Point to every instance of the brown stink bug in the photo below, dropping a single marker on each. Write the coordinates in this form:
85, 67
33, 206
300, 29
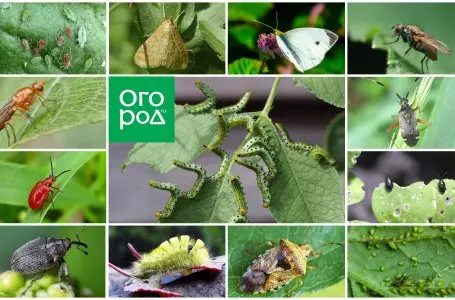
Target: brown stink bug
407, 119
277, 267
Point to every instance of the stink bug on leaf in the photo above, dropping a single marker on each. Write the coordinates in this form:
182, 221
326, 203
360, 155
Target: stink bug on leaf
407, 119
277, 267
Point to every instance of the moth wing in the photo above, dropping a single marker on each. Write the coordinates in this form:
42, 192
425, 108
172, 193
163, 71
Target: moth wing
165, 48
306, 47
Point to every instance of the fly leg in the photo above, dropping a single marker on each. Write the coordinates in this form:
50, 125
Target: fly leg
392, 127
396, 41
407, 51
7, 134
421, 64
31, 282
423, 122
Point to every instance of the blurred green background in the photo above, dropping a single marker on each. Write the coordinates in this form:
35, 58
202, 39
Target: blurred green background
367, 20
84, 188
371, 108
201, 26
243, 33
86, 271
147, 238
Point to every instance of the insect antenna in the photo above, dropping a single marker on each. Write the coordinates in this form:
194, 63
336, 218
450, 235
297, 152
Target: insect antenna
386, 87
52, 167
264, 24
62, 173
79, 243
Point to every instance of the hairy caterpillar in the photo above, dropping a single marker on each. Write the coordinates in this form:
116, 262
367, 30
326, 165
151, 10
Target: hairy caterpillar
224, 162
201, 176
205, 105
170, 205
236, 107
241, 120
220, 134
316, 152
260, 178
240, 200
268, 160
177, 254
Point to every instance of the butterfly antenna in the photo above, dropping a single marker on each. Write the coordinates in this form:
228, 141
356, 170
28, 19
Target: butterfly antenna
264, 24
276, 19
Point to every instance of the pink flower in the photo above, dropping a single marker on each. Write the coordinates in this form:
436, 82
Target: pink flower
268, 45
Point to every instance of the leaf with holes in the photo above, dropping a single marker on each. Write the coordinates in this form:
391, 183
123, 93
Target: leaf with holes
247, 242
401, 261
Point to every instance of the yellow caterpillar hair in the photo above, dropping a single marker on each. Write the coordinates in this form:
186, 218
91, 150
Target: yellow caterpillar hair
177, 254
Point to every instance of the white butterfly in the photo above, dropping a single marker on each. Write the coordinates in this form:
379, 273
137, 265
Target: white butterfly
305, 47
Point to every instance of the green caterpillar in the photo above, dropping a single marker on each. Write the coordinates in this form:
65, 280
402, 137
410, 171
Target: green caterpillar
205, 105
223, 165
241, 120
240, 200
236, 107
220, 135
268, 160
201, 176
260, 178
170, 205
316, 152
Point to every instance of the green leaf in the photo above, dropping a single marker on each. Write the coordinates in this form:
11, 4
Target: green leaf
191, 133
246, 66
68, 102
441, 133
248, 11
402, 261
352, 158
247, 242
329, 89
303, 190
416, 203
245, 35
39, 25
211, 23
335, 140
356, 192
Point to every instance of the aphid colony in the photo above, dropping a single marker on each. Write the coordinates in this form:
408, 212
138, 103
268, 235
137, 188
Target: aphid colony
420, 41
21, 101
257, 147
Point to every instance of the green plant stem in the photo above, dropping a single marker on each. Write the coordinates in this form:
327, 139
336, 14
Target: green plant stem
269, 104
113, 7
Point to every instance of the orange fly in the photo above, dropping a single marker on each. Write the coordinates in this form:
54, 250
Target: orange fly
20, 101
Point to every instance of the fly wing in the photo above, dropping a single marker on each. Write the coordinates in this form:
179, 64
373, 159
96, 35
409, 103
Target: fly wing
436, 43
306, 47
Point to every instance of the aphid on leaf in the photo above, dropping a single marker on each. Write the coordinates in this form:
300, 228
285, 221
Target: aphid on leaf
44, 190
60, 40
179, 256
277, 267
82, 37
407, 119
420, 41
69, 13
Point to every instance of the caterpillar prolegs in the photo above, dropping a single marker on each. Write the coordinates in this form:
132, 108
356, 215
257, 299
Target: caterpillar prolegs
239, 195
316, 152
201, 176
224, 165
170, 205
266, 157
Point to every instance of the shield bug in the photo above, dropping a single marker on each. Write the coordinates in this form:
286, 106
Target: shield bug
420, 41
42, 189
388, 184
277, 267
407, 119
41, 254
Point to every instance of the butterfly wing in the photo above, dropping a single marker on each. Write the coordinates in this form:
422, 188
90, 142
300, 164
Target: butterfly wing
306, 47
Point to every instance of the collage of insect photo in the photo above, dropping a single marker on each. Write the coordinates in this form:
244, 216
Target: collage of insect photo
227, 149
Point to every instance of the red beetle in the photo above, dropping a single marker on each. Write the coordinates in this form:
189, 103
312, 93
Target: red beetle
42, 189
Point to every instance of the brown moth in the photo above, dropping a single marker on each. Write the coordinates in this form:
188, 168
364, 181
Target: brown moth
276, 267
164, 48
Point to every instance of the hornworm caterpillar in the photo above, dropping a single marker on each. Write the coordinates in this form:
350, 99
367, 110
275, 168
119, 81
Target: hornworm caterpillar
240, 200
220, 135
316, 152
170, 205
260, 177
205, 105
224, 162
201, 176
236, 107
264, 154
243, 119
